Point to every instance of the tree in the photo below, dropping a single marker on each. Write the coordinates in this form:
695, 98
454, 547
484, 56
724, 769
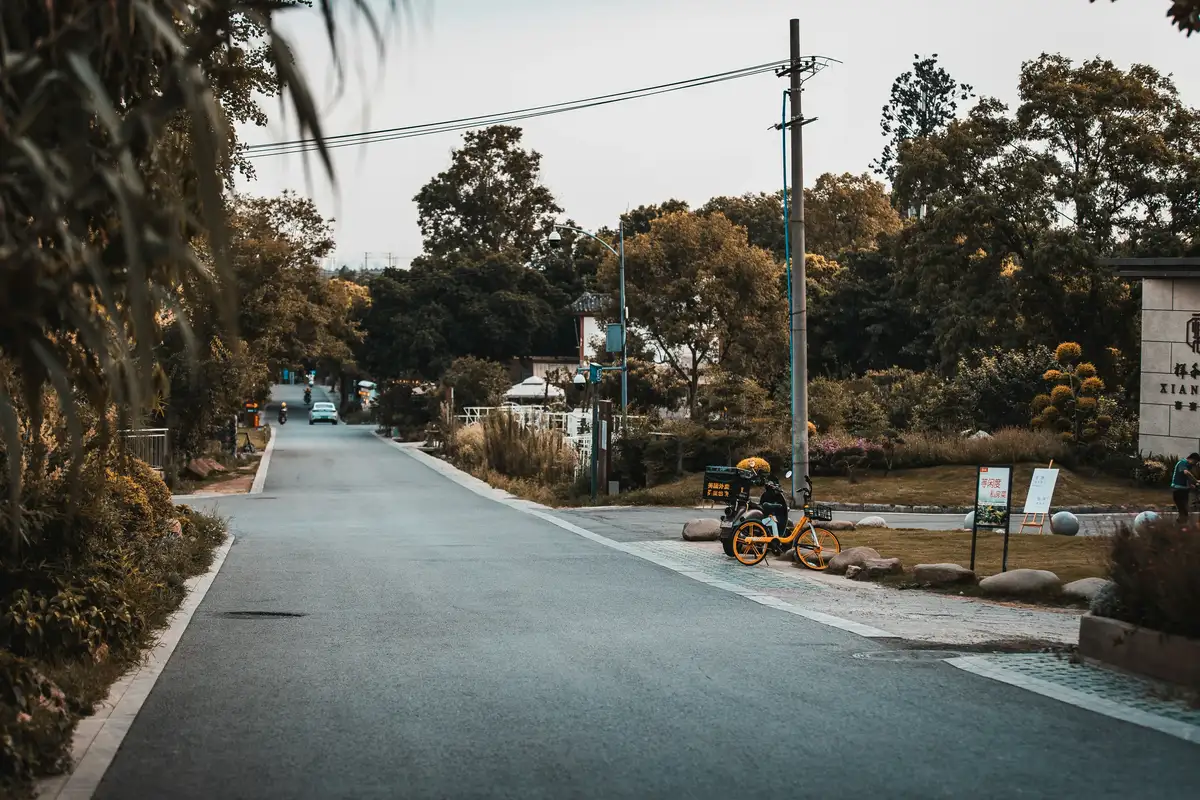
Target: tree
1072, 406
476, 382
847, 212
97, 239
423, 318
923, 101
490, 200
1185, 14
700, 292
761, 214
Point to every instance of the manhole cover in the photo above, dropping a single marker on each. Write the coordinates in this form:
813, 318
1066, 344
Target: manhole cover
908, 655
261, 614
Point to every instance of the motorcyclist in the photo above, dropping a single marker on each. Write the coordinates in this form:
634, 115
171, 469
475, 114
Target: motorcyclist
770, 501
282, 413
308, 395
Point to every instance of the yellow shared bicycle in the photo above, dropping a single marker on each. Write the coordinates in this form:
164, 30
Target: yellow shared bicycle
758, 533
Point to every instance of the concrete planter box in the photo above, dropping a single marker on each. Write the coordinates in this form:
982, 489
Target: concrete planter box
1142, 651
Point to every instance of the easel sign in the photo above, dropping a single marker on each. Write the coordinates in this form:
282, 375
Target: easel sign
1037, 502
993, 504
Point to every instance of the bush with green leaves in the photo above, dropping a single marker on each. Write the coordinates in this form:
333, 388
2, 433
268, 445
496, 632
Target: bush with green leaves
1154, 584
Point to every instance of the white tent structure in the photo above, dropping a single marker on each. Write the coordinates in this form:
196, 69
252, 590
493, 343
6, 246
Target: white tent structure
533, 390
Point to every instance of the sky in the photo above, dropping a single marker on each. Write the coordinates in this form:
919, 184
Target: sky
448, 59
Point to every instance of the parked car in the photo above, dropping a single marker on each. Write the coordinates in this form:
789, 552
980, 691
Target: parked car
322, 412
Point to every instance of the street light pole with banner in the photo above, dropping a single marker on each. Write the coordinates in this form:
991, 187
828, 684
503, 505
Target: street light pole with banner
993, 505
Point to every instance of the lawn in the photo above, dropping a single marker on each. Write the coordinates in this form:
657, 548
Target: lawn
935, 486
1068, 557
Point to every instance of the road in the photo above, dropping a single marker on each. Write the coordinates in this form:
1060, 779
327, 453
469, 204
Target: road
447, 646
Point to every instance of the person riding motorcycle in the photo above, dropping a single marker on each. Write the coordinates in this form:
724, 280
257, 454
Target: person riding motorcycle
282, 413
773, 501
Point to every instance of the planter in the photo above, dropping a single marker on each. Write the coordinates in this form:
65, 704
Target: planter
1142, 651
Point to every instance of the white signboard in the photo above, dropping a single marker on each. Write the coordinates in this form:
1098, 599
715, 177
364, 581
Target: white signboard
1041, 491
992, 497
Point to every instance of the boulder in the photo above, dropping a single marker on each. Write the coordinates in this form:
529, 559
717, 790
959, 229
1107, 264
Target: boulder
872, 522
854, 557
969, 521
1021, 582
836, 525
214, 465
1085, 588
942, 574
701, 530
855, 573
878, 567
1143, 521
198, 469
1064, 523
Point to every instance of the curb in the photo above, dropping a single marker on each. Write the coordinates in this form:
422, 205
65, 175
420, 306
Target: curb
98, 737
483, 489
260, 476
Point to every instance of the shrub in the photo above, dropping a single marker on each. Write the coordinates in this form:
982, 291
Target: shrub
1152, 472
827, 402
514, 450
137, 516
899, 392
77, 620
468, 446
1156, 578
476, 381
35, 726
865, 416
1007, 446
1075, 399
155, 489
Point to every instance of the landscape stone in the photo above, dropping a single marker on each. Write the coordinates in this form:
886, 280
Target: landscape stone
969, 521
853, 572
942, 574
701, 530
837, 525
855, 556
879, 567
872, 522
1021, 582
1085, 588
1064, 523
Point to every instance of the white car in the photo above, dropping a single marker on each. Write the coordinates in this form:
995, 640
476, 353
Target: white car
322, 412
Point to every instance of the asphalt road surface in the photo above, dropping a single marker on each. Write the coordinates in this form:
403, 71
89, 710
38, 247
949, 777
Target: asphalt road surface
446, 646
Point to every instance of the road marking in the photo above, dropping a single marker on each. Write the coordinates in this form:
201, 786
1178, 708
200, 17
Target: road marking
98, 737
483, 489
979, 665
260, 477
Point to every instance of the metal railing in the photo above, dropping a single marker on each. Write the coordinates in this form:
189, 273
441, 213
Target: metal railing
148, 444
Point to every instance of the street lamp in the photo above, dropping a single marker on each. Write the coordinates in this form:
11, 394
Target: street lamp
555, 238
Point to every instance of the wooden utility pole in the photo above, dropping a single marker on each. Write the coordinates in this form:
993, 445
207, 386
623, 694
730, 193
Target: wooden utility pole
799, 320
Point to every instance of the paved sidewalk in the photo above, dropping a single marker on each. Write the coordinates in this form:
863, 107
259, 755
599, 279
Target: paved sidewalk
913, 615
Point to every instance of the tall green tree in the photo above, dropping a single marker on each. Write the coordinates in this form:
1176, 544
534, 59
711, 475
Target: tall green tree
490, 200
701, 294
761, 214
923, 101
847, 212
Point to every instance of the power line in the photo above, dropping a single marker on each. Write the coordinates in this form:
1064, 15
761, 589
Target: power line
428, 129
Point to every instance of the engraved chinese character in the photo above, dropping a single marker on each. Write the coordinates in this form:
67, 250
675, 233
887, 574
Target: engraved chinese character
1178, 405
1181, 370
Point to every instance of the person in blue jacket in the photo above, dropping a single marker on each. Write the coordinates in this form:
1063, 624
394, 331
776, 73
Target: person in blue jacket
1182, 483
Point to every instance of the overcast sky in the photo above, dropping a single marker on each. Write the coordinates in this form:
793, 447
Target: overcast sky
459, 58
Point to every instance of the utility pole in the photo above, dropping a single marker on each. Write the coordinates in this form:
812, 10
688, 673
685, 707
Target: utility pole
799, 320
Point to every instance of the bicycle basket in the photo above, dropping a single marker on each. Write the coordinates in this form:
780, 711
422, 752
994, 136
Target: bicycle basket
819, 513
725, 484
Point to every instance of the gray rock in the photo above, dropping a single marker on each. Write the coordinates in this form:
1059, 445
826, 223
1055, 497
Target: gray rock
969, 521
872, 522
878, 567
1085, 588
942, 574
701, 530
1064, 523
855, 573
854, 557
1021, 582
836, 525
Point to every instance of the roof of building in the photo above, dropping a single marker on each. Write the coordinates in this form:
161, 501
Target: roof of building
1154, 267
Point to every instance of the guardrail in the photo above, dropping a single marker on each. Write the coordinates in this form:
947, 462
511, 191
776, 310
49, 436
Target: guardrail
148, 444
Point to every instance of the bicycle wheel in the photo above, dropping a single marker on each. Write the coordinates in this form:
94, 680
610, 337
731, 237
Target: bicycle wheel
815, 547
747, 552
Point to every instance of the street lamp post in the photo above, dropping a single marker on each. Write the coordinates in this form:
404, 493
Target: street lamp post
555, 237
